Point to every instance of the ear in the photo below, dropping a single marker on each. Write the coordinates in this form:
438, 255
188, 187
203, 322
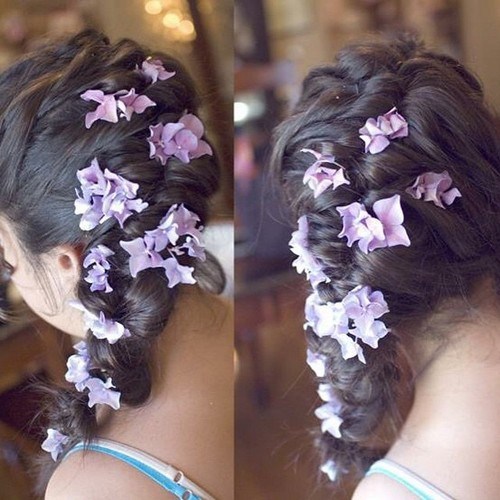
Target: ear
67, 264
8, 244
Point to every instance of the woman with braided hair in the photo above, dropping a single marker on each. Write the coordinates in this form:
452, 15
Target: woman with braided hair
390, 162
105, 181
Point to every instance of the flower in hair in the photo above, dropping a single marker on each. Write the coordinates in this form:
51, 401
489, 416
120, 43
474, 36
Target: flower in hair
364, 306
182, 139
97, 276
54, 443
377, 133
305, 261
106, 110
385, 230
105, 195
102, 393
153, 70
129, 102
318, 177
100, 326
317, 363
354, 319
179, 233
121, 104
435, 187
331, 421
330, 469
78, 367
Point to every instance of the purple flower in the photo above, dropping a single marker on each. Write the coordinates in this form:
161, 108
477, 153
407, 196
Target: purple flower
121, 104
107, 109
317, 363
142, 254
105, 328
54, 443
153, 70
181, 139
326, 319
129, 103
377, 133
305, 261
176, 273
330, 469
178, 221
102, 393
98, 276
385, 230
331, 421
435, 187
78, 369
320, 178
364, 306
195, 248
105, 195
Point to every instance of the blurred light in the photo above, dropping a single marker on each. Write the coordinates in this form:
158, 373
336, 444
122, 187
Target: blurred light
186, 27
241, 111
153, 7
172, 19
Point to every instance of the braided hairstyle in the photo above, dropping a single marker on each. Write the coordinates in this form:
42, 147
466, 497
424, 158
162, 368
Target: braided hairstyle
450, 129
44, 142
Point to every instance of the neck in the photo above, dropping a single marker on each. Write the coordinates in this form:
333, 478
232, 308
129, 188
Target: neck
457, 401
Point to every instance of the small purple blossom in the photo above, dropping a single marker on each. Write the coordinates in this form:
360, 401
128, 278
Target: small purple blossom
106, 110
105, 195
330, 469
142, 254
102, 393
317, 363
54, 443
318, 177
176, 273
331, 421
354, 319
385, 230
377, 133
121, 104
182, 139
78, 368
364, 306
435, 187
153, 70
130, 102
305, 261
97, 276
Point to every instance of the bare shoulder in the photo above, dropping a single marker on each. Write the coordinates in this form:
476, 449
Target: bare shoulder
380, 487
100, 477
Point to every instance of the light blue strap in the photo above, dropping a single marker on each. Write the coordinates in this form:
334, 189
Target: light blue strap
165, 482
412, 482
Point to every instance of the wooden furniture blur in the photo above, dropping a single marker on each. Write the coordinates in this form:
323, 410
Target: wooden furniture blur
27, 348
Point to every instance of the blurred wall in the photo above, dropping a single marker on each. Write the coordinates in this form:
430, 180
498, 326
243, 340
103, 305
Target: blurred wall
481, 43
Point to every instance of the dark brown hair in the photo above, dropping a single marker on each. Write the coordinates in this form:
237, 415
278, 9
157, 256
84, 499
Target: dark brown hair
44, 142
449, 129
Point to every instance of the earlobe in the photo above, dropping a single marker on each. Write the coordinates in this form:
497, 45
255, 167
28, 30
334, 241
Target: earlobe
68, 260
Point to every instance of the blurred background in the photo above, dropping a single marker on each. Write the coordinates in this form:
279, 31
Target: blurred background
198, 32
276, 43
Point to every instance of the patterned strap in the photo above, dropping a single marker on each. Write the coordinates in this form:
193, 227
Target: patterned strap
418, 486
168, 477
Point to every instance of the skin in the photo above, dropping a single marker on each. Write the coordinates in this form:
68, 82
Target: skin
450, 437
188, 421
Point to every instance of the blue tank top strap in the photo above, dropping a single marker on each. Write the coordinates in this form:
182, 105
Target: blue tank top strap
168, 477
413, 483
